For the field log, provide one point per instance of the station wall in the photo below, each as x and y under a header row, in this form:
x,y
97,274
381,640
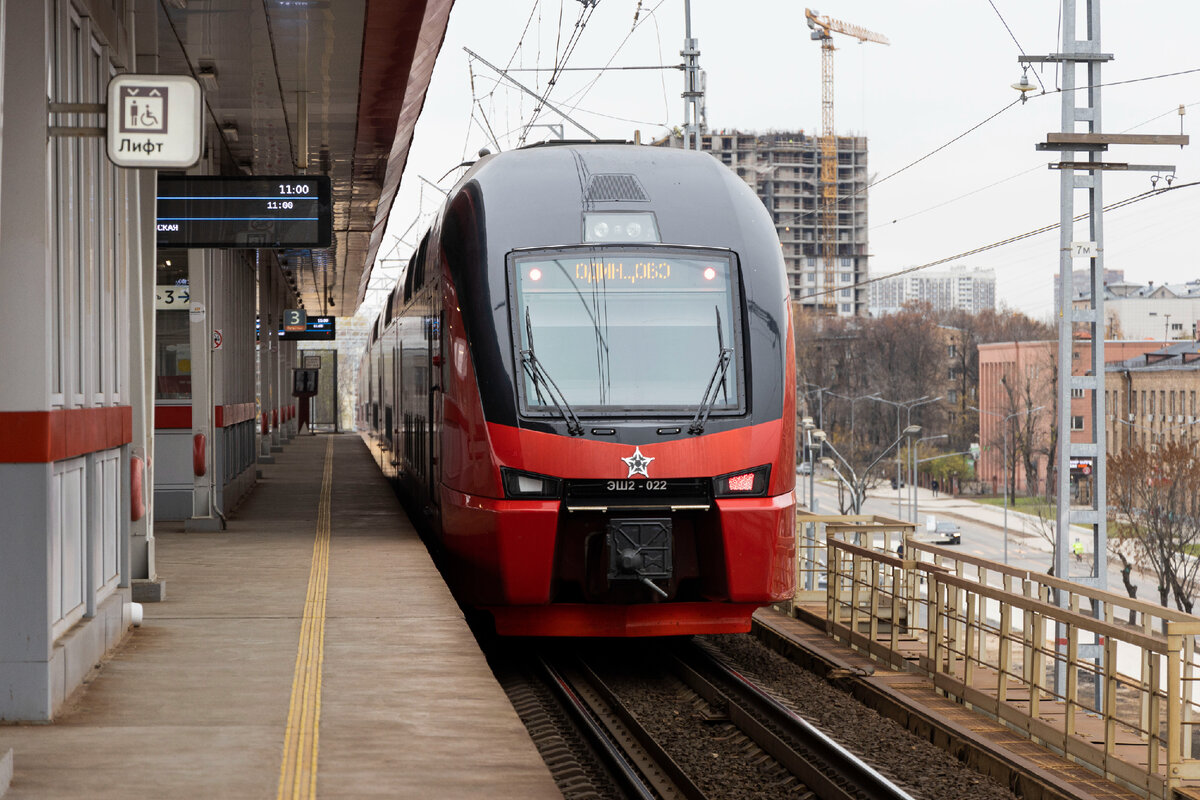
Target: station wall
x,y
70,291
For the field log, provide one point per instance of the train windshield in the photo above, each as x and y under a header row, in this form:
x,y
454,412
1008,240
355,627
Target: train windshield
x,y
627,331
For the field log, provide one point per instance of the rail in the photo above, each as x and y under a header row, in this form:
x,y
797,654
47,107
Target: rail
x,y
1108,681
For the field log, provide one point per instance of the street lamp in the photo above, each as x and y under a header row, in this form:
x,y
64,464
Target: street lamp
x,y
913,456
909,405
809,429
855,501
820,393
852,401
831,465
1004,461
858,487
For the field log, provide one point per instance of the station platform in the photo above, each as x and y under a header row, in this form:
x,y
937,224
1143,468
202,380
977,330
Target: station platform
x,y
309,648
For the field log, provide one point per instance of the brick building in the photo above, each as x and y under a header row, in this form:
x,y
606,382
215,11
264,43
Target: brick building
x,y
1151,398
1016,377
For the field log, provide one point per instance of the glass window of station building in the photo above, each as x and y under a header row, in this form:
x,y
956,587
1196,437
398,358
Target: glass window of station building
x,y
173,349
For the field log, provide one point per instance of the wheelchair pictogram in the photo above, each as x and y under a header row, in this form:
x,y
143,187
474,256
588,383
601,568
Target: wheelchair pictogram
x,y
143,109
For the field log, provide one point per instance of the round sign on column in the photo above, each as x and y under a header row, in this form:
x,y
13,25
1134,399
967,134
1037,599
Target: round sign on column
x,y
154,121
218,340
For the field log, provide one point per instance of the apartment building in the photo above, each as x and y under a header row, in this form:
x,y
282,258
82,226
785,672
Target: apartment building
x,y
964,288
784,170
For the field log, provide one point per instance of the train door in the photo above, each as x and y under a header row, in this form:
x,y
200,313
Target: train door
x,y
397,398
433,432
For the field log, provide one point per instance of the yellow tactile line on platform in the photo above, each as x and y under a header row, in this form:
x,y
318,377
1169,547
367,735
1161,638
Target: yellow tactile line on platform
x,y
298,773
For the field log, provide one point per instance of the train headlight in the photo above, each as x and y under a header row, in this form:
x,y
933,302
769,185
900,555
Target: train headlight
x,y
613,226
743,483
529,485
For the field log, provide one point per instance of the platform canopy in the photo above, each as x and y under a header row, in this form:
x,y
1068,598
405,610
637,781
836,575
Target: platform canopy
x,y
330,87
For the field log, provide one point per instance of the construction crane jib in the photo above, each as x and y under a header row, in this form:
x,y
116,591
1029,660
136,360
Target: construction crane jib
x,y
823,29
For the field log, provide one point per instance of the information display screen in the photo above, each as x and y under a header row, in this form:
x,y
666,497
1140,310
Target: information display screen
x,y
244,211
318,328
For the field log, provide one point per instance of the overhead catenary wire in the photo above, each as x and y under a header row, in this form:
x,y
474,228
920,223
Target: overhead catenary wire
x,y
1020,49
585,15
1125,82
983,249
593,69
527,90
807,214
583,93
963,196
1174,111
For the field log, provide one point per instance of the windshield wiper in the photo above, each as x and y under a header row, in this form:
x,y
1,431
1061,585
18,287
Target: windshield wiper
x,y
540,377
715,383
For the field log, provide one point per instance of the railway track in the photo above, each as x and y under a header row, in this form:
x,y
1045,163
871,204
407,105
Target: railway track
x,y
675,721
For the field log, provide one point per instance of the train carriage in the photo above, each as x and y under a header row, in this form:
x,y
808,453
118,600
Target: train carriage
x,y
590,393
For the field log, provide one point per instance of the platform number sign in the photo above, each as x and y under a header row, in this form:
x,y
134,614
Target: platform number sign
x,y
295,320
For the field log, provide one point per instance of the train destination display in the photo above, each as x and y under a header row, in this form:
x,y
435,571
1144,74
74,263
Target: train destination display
x,y
315,329
244,211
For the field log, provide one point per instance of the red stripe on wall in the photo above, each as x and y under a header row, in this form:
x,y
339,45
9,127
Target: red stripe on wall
x,y
172,417
180,417
41,437
234,413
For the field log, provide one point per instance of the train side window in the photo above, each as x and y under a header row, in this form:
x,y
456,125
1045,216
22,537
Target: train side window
x,y
419,281
408,278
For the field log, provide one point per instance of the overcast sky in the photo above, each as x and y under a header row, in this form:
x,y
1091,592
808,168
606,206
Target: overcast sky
x,y
949,67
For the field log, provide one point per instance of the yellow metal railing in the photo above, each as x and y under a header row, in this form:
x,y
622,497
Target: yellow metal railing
x,y
881,532
1108,681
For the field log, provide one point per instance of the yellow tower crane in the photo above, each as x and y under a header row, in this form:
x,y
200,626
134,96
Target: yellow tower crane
x,y
823,29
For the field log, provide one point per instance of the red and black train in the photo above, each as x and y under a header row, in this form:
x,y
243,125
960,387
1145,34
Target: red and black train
x,y
585,384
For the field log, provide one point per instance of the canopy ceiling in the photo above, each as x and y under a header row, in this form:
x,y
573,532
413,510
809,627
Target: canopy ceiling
x,y
314,87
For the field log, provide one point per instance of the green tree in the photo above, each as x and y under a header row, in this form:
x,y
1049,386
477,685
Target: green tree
x,y
947,467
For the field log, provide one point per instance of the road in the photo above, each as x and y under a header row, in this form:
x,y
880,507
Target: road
x,y
1028,548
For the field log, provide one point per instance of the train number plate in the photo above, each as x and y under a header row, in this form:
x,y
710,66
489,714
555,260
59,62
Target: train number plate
x,y
690,488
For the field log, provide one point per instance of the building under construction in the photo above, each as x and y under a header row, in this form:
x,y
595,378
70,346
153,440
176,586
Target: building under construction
x,y
784,169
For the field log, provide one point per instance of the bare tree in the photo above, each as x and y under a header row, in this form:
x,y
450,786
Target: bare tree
x,y
913,354
967,332
1157,499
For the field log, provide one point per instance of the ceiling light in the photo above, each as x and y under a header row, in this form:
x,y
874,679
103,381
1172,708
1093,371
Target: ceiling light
x,y
207,75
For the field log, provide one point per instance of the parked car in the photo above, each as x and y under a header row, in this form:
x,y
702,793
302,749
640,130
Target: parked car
x,y
947,533
804,468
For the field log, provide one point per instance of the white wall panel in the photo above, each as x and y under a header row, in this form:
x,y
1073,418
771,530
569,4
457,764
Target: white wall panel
x,y
68,544
106,523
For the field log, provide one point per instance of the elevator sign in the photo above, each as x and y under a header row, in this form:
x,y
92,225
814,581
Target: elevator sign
x,y
153,121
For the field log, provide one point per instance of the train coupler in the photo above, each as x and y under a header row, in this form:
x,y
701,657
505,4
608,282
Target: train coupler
x,y
640,550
